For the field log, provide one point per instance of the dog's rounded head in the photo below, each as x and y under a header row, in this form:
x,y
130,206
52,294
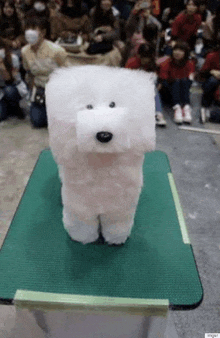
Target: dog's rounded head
x,y
100,109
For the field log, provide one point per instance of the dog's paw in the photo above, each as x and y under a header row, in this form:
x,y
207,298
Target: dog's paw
x,y
116,240
82,238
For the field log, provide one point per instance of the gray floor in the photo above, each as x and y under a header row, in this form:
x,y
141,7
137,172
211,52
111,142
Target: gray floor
x,y
195,163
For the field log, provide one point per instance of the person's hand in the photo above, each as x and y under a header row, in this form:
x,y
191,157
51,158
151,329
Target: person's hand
x,y
192,76
105,29
159,86
3,71
14,44
215,73
172,43
98,38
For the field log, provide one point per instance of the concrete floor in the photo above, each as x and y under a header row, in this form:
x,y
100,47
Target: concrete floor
x,y
195,163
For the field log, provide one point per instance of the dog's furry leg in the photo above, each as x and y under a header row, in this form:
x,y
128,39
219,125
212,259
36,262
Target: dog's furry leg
x,y
81,230
116,228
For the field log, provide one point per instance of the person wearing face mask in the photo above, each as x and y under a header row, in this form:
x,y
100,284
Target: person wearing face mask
x,y
12,88
40,58
40,8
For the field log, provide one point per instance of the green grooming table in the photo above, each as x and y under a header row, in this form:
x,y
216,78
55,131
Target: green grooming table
x,y
156,262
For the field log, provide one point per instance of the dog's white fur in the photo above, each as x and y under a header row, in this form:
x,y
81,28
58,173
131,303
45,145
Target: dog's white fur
x,y
101,182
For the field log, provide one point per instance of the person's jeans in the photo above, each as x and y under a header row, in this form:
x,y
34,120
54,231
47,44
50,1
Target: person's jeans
x,y
158,102
9,104
179,90
38,115
209,87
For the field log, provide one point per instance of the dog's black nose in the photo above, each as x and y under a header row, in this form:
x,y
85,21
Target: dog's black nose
x,y
104,136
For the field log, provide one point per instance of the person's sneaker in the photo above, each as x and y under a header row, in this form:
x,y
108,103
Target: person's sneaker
x,y
187,116
178,116
204,115
160,120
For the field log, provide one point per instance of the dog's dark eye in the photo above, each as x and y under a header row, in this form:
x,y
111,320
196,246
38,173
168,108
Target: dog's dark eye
x,y
112,105
89,106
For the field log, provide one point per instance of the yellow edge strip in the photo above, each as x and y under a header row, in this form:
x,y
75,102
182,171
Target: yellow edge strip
x,y
52,301
179,211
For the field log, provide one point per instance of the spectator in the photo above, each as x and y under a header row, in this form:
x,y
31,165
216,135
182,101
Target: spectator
x,y
40,58
103,19
203,11
186,24
12,88
105,28
176,75
170,13
211,29
145,59
10,26
210,76
70,22
40,8
139,18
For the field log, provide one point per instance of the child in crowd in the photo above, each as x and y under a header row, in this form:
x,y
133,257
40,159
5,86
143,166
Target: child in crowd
x,y
176,75
12,88
145,59
186,24
40,58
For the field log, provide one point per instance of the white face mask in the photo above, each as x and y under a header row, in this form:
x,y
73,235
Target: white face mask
x,y
2,53
31,36
39,6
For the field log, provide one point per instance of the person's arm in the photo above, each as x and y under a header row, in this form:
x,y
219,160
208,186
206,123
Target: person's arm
x,y
3,71
204,72
176,26
61,57
113,34
29,78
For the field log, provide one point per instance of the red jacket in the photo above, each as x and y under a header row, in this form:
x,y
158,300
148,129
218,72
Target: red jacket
x,y
184,27
135,63
212,61
170,71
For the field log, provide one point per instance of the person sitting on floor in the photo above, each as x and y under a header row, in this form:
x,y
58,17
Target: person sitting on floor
x,y
209,75
140,17
10,26
105,27
40,58
145,59
71,21
12,88
186,24
176,74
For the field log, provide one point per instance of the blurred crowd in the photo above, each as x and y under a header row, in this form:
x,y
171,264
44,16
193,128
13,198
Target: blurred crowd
x,y
178,40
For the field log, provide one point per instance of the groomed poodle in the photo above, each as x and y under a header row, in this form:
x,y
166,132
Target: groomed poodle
x,y
101,123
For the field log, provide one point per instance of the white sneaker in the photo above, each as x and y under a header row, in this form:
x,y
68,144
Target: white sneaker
x,y
204,115
178,116
160,120
187,117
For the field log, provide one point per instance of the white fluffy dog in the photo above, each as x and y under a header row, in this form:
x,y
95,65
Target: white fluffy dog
x,y
101,122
